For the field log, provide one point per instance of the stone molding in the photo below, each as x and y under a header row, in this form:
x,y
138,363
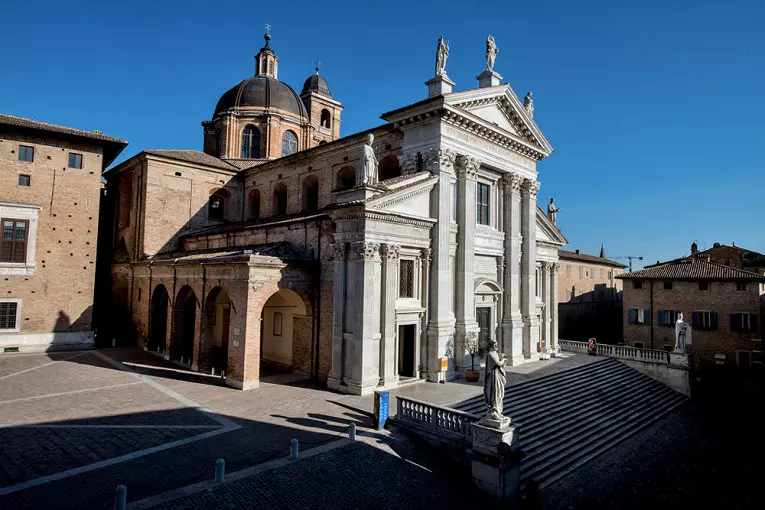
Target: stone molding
x,y
385,217
336,252
440,160
363,250
463,122
29,213
408,163
427,254
406,196
530,188
512,183
389,252
554,266
467,166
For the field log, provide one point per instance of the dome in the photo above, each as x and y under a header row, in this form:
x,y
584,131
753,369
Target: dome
x,y
262,91
316,83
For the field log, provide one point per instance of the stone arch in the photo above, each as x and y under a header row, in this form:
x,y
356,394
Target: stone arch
x,y
216,327
184,324
389,168
287,332
310,193
280,199
346,178
254,203
326,119
219,200
488,308
158,318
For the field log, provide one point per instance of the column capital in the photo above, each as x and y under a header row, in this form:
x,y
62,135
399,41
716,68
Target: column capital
x,y
554,266
440,160
390,252
544,265
512,183
363,250
501,261
336,251
530,188
408,163
467,166
426,254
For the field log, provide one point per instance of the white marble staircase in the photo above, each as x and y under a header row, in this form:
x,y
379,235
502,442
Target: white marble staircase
x,y
570,417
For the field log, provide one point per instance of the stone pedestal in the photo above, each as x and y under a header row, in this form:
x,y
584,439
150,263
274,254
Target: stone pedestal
x,y
361,192
488,79
496,461
439,85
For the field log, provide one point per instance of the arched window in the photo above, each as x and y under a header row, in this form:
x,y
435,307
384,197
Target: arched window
x,y
322,142
218,143
310,193
280,199
289,143
346,178
250,142
215,207
271,67
263,66
326,119
254,204
389,167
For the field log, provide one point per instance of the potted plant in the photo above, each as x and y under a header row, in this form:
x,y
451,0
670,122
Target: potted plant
x,y
475,347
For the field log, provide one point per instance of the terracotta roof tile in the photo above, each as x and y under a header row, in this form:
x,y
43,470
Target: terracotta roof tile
x,y
199,158
692,268
11,120
583,257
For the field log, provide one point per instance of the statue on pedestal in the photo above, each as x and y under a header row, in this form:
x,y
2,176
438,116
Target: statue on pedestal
x,y
682,334
528,104
491,53
552,211
442,51
368,171
494,387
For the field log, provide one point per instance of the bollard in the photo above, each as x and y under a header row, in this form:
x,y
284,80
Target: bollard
x,y
114,342
220,470
295,449
120,498
213,371
352,431
181,360
158,349
223,374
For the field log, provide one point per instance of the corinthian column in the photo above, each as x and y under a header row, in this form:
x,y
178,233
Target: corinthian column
x,y
512,319
336,373
388,373
467,169
529,191
546,311
554,349
441,325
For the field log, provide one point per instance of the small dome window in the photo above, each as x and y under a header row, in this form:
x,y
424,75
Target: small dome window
x,y
250,142
289,143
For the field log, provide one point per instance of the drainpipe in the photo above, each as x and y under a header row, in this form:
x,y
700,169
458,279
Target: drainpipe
x,y
651,319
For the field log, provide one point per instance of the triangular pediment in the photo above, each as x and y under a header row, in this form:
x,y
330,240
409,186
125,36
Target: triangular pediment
x,y
405,195
547,231
501,109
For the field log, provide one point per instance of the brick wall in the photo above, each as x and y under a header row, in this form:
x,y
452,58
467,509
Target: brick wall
x,y
594,278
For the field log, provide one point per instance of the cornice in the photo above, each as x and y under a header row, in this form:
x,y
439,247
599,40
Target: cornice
x,y
398,198
387,217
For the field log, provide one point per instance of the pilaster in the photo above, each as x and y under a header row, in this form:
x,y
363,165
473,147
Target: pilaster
x,y
335,379
554,348
425,260
441,324
388,372
467,169
546,310
512,318
529,191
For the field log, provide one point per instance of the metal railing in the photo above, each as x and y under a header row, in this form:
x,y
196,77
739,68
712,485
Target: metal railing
x,y
442,421
618,351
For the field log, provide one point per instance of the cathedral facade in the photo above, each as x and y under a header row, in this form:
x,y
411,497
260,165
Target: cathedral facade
x,y
364,261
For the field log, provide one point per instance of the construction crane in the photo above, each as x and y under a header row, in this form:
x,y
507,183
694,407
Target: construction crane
x,y
627,257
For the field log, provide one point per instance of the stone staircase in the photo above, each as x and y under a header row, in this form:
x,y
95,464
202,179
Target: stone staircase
x,y
568,418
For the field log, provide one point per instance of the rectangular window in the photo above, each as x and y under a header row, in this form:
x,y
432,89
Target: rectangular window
x,y
592,274
406,279
277,323
704,320
13,245
24,180
610,275
637,284
743,322
740,285
703,285
482,203
667,317
75,160
568,270
26,153
581,272
639,316
602,274
8,314
667,285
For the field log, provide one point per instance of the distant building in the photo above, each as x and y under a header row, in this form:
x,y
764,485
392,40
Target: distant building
x,y
589,295
734,256
722,303
50,190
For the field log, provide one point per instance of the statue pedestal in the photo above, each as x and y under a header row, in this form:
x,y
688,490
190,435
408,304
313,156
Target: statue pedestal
x,y
358,193
488,79
439,85
496,460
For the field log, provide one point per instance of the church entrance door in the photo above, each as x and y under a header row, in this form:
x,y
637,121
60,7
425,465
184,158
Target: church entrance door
x,y
406,346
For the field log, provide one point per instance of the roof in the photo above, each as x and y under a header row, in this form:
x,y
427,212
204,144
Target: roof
x,y
190,156
112,146
316,83
583,257
262,91
280,250
692,268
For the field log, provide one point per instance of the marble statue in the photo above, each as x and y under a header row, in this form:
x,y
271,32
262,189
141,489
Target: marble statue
x,y
442,51
494,384
528,104
552,211
491,53
368,174
682,334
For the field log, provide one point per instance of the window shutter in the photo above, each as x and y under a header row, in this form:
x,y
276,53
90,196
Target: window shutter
x,y
632,316
736,322
713,320
695,320
647,314
754,322
662,318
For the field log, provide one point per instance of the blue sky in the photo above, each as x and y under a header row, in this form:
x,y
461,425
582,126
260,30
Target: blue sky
x,y
654,108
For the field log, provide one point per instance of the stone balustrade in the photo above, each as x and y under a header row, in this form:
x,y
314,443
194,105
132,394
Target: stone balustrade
x,y
619,351
437,420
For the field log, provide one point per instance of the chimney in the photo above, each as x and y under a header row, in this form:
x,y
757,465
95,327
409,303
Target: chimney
x,y
716,245
577,252
694,249
602,252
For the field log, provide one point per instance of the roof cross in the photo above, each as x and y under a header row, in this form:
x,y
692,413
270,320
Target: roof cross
x,y
268,27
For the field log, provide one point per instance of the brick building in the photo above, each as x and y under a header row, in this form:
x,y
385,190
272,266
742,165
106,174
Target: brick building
x,y
723,305
364,261
50,190
590,298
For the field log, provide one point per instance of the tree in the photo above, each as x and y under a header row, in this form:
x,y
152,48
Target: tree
x,y
475,346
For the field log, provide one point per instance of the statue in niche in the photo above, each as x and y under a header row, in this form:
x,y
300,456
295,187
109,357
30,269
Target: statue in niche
x,y
442,51
494,386
491,53
368,174
528,104
552,211
682,334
